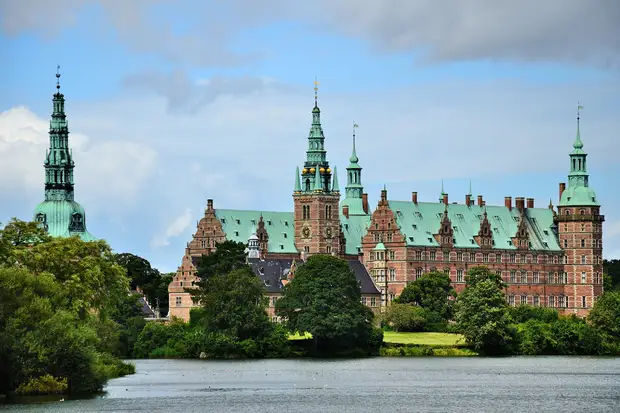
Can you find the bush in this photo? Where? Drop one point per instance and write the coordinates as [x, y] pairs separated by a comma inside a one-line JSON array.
[[405, 317], [43, 385], [524, 313]]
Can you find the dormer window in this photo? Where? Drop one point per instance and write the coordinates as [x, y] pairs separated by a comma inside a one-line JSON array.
[[77, 222], [40, 217]]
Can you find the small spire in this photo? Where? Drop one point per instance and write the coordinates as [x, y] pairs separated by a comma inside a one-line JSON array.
[[297, 181], [578, 143], [335, 186], [58, 78], [318, 185], [354, 158], [384, 187], [550, 204], [316, 92], [469, 193]]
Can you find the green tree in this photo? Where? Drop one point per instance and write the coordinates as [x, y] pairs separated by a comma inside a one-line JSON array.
[[405, 317], [605, 316], [523, 313], [228, 256], [19, 234], [482, 315], [324, 299], [481, 273], [612, 268], [142, 275], [431, 292]]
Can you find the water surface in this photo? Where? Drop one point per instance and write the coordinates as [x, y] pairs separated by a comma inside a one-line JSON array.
[[425, 384]]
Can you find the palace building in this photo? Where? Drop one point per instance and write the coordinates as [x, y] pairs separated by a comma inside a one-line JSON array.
[[59, 214], [547, 257]]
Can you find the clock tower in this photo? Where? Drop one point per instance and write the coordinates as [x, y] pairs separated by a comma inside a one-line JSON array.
[[316, 195]]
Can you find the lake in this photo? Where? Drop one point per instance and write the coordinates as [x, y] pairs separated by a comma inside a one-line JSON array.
[[420, 384]]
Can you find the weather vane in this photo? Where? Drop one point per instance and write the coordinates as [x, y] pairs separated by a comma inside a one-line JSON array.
[[579, 107], [58, 77], [355, 125]]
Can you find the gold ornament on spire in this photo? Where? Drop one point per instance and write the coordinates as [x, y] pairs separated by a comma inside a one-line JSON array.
[[316, 91]]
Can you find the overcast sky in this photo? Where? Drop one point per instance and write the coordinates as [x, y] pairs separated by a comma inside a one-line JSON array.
[[174, 102]]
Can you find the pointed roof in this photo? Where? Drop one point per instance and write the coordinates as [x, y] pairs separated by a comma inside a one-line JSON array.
[[354, 159], [335, 186], [318, 185], [297, 181]]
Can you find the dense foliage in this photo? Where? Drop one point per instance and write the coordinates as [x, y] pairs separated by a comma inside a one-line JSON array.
[[57, 300], [611, 273], [152, 283], [231, 321], [324, 299], [430, 292]]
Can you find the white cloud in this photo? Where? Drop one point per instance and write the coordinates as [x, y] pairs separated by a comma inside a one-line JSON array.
[[176, 228], [109, 174]]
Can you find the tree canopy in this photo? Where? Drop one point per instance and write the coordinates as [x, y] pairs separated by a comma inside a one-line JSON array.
[[56, 296], [324, 299], [431, 292]]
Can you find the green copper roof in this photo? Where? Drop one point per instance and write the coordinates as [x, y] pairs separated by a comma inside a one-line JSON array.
[[59, 213], [63, 219], [419, 223], [335, 186], [380, 247], [578, 191], [354, 228], [297, 181], [237, 224]]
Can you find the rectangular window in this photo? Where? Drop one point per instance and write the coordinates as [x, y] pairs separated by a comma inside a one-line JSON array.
[[472, 256], [583, 277], [459, 275], [485, 257], [535, 277], [564, 277], [329, 249], [373, 302], [389, 237], [583, 259], [518, 258], [513, 258], [418, 273], [364, 301], [561, 301], [536, 301], [433, 255], [418, 255], [392, 255], [392, 274], [178, 301], [524, 277], [583, 301], [513, 276], [511, 300], [523, 299], [459, 256]]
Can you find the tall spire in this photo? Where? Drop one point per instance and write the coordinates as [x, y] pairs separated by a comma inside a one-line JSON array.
[[335, 186], [59, 160], [318, 185], [354, 159], [297, 182], [59, 214], [578, 145], [578, 192]]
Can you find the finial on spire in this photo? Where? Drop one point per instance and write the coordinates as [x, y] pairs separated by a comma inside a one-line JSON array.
[[469, 187], [354, 158], [578, 143], [58, 77], [316, 92]]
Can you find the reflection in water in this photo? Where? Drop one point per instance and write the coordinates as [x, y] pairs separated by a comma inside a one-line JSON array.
[[519, 384]]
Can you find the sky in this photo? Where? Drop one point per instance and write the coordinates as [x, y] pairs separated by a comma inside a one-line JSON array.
[[171, 103]]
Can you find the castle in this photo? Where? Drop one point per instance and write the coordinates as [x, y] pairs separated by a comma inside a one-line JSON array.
[[59, 214], [546, 257]]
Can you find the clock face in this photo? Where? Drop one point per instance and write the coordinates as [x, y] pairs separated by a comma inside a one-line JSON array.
[[328, 232], [305, 232]]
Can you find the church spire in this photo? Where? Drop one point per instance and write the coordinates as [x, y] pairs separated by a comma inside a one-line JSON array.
[[578, 192], [335, 186], [297, 182], [354, 188], [59, 160]]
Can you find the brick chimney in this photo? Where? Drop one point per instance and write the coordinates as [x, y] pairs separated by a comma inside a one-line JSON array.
[[479, 200], [562, 188], [210, 204], [345, 211], [445, 199], [530, 202], [520, 203], [508, 202], [414, 197], [468, 199], [365, 203]]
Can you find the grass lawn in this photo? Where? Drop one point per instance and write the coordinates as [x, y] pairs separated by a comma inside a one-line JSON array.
[[428, 339]]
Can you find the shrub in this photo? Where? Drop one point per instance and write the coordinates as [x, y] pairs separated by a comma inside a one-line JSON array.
[[405, 317], [43, 385]]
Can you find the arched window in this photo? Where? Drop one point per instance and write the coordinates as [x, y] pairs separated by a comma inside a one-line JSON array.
[[582, 212], [77, 222], [308, 184]]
